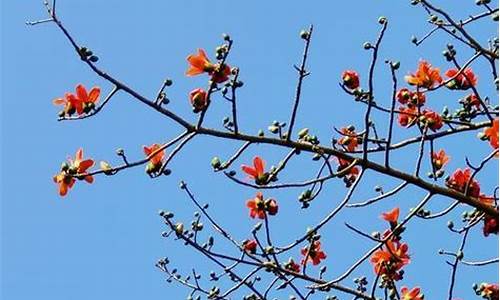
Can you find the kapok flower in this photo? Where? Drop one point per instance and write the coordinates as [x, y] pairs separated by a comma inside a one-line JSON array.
[[250, 246], [403, 95], [391, 216], [390, 259], [198, 98], [259, 207], [71, 104], [407, 116], [199, 64], [313, 253], [462, 81], [490, 226], [491, 133], [291, 265], [413, 294], [432, 119], [351, 174], [349, 139], [426, 76], [72, 169], [439, 159], [489, 291], [350, 79], [87, 99], [459, 180], [471, 101], [257, 172], [155, 161]]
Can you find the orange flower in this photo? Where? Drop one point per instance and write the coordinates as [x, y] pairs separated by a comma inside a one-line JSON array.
[[156, 161], [407, 116], [350, 79], [463, 81], [391, 216], [199, 64], [491, 133], [426, 76], [198, 98], [459, 179], [390, 259], [413, 294], [313, 254], [72, 169], [432, 119], [71, 104], [250, 246], [89, 99], [439, 159], [349, 139], [257, 172]]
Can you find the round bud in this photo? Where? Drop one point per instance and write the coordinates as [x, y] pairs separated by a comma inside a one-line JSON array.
[[367, 45], [93, 58], [168, 82], [304, 34], [414, 39], [382, 20]]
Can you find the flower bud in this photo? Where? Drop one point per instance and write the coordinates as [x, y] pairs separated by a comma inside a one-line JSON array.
[[216, 163]]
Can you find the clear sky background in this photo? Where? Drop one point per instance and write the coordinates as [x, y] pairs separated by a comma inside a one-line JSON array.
[[101, 241]]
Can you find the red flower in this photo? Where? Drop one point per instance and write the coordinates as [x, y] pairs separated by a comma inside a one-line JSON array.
[[257, 172], [390, 259], [432, 119], [426, 76], [155, 161], [89, 99], [407, 116], [250, 246], [291, 265], [413, 294], [71, 104], [405, 96], [199, 64], [258, 207], [489, 291], [198, 98], [463, 81], [490, 226], [350, 79], [391, 216], [439, 159], [491, 133], [459, 179], [472, 100], [351, 175], [313, 254], [72, 169], [349, 139]]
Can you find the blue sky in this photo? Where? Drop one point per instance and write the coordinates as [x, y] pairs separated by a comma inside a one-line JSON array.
[[101, 241]]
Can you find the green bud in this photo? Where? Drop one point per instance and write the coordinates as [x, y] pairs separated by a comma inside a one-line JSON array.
[[382, 20], [303, 132], [216, 163]]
